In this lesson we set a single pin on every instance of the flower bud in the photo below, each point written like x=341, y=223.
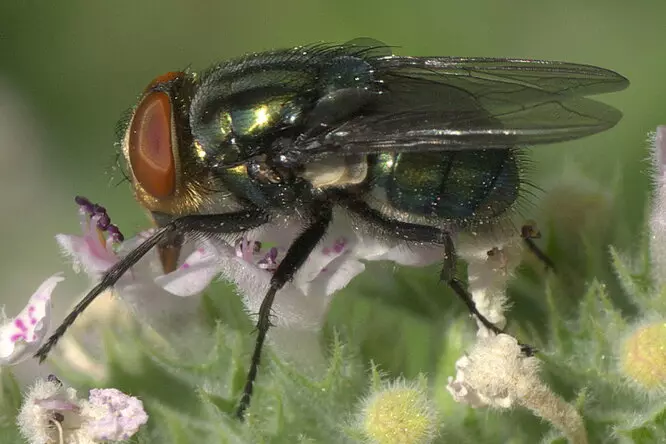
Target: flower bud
x=643, y=357
x=398, y=412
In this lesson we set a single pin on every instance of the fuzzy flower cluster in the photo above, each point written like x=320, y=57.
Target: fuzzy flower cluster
x=53, y=413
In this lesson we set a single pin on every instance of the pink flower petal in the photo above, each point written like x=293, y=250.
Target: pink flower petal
x=340, y=240
x=87, y=253
x=410, y=254
x=193, y=276
x=23, y=335
x=334, y=277
x=133, y=242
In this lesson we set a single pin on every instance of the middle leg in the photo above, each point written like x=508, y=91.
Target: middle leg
x=296, y=256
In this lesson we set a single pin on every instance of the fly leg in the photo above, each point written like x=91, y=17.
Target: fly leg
x=196, y=224
x=296, y=256
x=423, y=233
x=448, y=275
x=529, y=232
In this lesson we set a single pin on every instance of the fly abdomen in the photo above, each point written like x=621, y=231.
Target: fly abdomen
x=455, y=186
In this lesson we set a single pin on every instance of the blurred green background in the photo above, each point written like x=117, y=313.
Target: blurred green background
x=68, y=70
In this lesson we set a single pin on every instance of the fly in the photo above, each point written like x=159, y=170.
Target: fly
x=418, y=148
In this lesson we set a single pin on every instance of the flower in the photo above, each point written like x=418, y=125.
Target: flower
x=50, y=413
x=101, y=246
x=145, y=288
x=643, y=359
x=489, y=270
x=53, y=413
x=114, y=415
x=334, y=262
x=249, y=263
x=301, y=303
x=497, y=373
x=21, y=336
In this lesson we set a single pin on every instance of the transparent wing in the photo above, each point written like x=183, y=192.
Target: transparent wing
x=483, y=76
x=449, y=103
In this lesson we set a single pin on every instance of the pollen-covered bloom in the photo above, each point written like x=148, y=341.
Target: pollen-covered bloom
x=495, y=373
x=21, y=336
x=53, y=413
x=498, y=373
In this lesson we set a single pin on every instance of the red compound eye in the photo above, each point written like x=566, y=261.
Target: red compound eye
x=150, y=146
x=165, y=78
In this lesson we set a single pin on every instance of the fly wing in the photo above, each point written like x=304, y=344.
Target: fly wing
x=444, y=103
x=508, y=75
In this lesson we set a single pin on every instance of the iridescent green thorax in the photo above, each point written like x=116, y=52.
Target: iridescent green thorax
x=280, y=95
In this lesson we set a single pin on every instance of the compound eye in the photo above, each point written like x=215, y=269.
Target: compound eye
x=150, y=146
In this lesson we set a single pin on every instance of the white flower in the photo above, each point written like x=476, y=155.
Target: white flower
x=490, y=265
x=334, y=262
x=145, y=288
x=50, y=414
x=53, y=413
x=101, y=246
x=21, y=336
x=249, y=263
x=497, y=373
x=114, y=416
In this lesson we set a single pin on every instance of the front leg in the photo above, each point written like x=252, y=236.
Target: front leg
x=201, y=224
